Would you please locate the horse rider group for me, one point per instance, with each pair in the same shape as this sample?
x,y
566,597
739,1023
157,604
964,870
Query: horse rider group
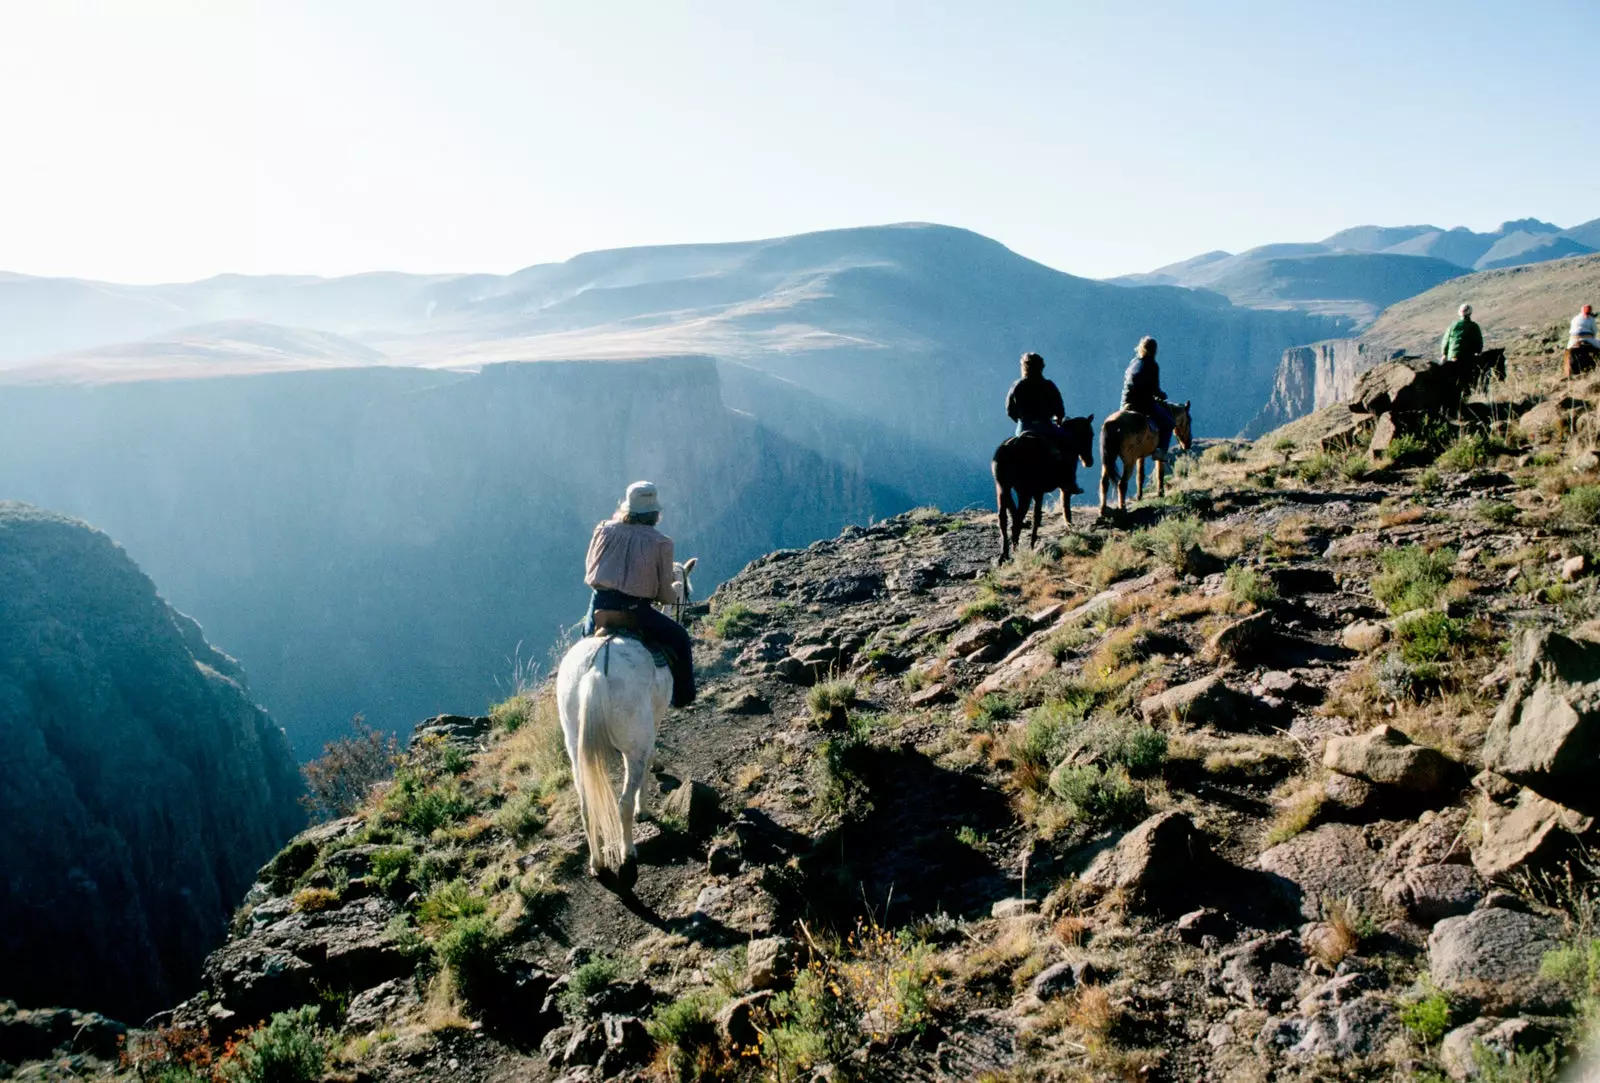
x,y
1034,402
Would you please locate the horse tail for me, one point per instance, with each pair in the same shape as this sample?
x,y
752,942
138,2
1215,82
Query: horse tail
x,y
1110,454
601,821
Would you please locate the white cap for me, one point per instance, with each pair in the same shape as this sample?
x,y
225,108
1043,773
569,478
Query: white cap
x,y
641,499
1466,310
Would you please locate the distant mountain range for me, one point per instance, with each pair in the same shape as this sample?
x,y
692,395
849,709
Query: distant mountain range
x,y
370,510
1360,271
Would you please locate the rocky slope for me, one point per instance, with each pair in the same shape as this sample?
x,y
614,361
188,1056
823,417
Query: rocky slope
x,y
1284,777
140,787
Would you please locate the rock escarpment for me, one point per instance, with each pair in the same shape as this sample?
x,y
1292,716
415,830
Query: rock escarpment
x,y
140,787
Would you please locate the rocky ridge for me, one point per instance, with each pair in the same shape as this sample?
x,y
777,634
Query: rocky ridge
x,y
1279,778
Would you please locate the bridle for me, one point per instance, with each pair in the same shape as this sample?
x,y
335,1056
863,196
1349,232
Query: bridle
x,y
685,599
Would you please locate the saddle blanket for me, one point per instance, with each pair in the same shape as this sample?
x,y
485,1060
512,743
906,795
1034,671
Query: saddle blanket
x,y
662,656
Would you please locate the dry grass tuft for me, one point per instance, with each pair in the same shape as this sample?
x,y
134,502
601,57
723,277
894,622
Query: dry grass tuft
x,y
1300,803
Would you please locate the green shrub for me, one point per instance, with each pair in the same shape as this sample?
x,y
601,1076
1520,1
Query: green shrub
x,y
1412,577
1098,796
1429,480
1046,735
1428,1019
1170,540
1517,1065
991,708
1498,512
1355,466
831,700
454,760
449,901
1220,454
734,621
468,949
585,982
987,605
522,816
837,777
1249,587
1429,637
1580,505
513,713
687,1030
1284,446
291,863
1469,452
1136,746
1314,467
425,806
817,1024
290,1048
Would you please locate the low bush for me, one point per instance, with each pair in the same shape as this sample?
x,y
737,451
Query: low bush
x,y
311,900
1116,560
425,806
830,701
837,777
339,780
1497,512
1219,455
1315,467
991,708
449,901
290,1048
585,982
1355,466
1249,587
1470,452
522,816
1171,540
468,948
1098,796
391,868
686,1032
1429,1018
1412,577
1580,505
987,604
734,621
1429,637
1136,746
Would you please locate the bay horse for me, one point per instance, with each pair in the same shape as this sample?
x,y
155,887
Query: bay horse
x,y
1025,470
612,695
1128,438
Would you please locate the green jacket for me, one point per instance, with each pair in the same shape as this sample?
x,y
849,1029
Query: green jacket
x,y
1462,341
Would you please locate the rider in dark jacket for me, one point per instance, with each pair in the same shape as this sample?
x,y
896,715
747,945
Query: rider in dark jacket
x,y
1141,391
1033,402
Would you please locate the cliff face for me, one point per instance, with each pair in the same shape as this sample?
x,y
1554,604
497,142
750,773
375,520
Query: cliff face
x,y
381,541
141,788
1314,376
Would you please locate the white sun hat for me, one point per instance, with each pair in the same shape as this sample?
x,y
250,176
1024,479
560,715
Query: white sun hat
x,y
642,499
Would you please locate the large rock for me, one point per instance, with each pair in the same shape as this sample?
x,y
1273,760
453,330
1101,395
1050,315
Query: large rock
x,y
1492,958
1265,972
1207,700
769,961
695,805
1158,866
1431,893
1546,734
1017,672
1458,1052
1357,1029
1364,635
1327,865
1235,641
975,636
1535,831
1386,757
38,1033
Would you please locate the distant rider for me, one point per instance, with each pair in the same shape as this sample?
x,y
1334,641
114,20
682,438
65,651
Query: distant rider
x,y
630,566
1464,341
1141,391
1582,332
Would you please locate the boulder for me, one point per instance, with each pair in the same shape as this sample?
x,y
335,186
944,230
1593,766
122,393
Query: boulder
x,y
1357,1029
378,1007
769,961
723,858
1054,981
1355,545
1355,796
1535,831
848,589
1492,958
40,1033
1323,866
1198,926
1207,700
1234,641
1431,893
1265,972
1158,866
628,1045
1364,635
1546,734
975,637
736,1020
1013,908
745,701
1458,1051
694,805
1016,671
1384,756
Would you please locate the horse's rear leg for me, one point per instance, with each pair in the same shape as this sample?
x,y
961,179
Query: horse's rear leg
x,y
1122,485
1066,507
1138,493
1161,478
1002,502
1038,514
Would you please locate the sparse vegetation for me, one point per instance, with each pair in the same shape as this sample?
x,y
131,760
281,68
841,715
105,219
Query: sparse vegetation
x,y
1249,587
734,621
1428,1018
1170,541
290,1048
1497,512
1412,577
829,702
587,980
339,780
1580,505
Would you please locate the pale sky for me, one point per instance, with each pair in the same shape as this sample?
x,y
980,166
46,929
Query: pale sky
x,y
162,140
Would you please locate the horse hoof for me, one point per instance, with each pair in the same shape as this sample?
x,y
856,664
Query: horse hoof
x,y
628,875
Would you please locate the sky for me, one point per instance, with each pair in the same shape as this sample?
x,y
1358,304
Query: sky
x,y
166,140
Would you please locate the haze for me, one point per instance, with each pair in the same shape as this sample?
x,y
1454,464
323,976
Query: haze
x,y
169,141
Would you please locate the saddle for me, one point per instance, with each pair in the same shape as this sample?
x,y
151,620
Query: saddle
x,y
623,624
1129,411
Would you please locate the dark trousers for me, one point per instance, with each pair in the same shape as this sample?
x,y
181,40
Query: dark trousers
x,y
1164,422
658,628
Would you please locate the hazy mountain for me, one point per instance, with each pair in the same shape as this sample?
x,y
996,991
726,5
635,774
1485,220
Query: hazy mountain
x,y
141,788
379,537
1358,271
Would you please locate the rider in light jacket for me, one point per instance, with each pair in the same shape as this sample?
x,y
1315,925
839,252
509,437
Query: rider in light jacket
x,y
629,566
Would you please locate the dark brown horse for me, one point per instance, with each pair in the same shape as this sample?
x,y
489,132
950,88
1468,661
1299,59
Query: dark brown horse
x,y
1025,469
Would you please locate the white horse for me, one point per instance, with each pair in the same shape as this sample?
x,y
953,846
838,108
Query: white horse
x,y
611,695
